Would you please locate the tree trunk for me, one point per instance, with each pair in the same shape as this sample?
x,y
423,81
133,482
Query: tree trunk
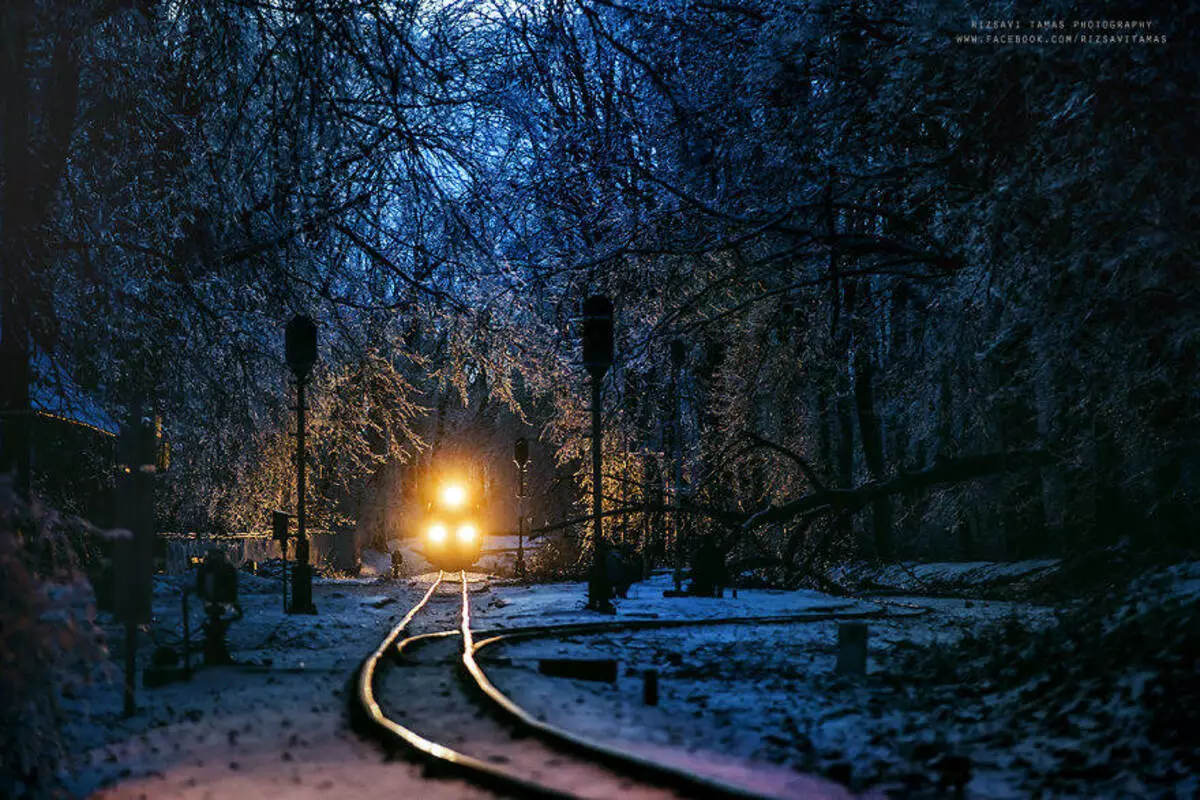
x,y
845,459
872,443
15,29
32,163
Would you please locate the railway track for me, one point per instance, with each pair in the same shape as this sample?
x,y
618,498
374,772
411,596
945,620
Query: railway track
x,y
426,694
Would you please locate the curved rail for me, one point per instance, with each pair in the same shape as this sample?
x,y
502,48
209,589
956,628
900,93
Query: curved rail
x,y
431,752
488,774
367,672
584,628
703,785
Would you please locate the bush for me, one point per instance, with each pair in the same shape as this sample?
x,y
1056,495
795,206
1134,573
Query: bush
x,y
558,558
1115,681
48,639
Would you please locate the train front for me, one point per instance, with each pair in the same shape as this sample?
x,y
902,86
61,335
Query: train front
x,y
452,534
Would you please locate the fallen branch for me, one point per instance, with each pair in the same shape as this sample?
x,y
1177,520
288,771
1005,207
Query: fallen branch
x,y
950,470
944,471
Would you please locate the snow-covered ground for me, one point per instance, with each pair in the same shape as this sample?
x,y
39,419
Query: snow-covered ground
x,y
749,694
738,697
274,728
563,603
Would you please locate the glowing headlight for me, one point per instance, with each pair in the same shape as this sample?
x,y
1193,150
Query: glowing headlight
x,y
453,496
466,533
437,533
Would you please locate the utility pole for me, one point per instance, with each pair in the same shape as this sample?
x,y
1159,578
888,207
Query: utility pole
x,y
301,349
598,357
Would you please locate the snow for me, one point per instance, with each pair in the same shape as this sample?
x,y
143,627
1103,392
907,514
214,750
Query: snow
x,y
55,392
741,695
273,728
758,703
563,603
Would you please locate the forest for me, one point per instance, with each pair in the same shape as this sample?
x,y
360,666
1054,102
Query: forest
x,y
881,251
880,294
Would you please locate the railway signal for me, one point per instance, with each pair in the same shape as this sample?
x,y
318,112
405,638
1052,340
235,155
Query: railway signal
x,y
521,459
598,357
300,345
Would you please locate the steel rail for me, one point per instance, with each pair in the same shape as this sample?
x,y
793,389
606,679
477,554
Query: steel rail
x,y
626,761
368,671
431,752
488,638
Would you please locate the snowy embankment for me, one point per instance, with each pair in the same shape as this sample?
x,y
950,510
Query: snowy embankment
x,y
1005,700
1104,703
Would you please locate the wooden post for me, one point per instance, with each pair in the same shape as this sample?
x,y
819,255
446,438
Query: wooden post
x,y
650,687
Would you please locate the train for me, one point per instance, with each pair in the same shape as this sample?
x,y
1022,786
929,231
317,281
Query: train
x,y
451,520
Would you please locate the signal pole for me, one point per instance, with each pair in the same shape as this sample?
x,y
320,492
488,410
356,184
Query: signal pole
x,y
301,348
140,458
599,591
521,458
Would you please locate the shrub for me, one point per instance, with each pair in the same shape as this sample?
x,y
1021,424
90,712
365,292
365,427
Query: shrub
x,y
558,558
48,639
1114,682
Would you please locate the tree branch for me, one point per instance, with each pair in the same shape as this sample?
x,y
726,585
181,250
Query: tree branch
x,y
809,473
951,470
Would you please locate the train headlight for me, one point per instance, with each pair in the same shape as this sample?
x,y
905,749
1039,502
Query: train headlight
x,y
466,533
437,533
453,495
